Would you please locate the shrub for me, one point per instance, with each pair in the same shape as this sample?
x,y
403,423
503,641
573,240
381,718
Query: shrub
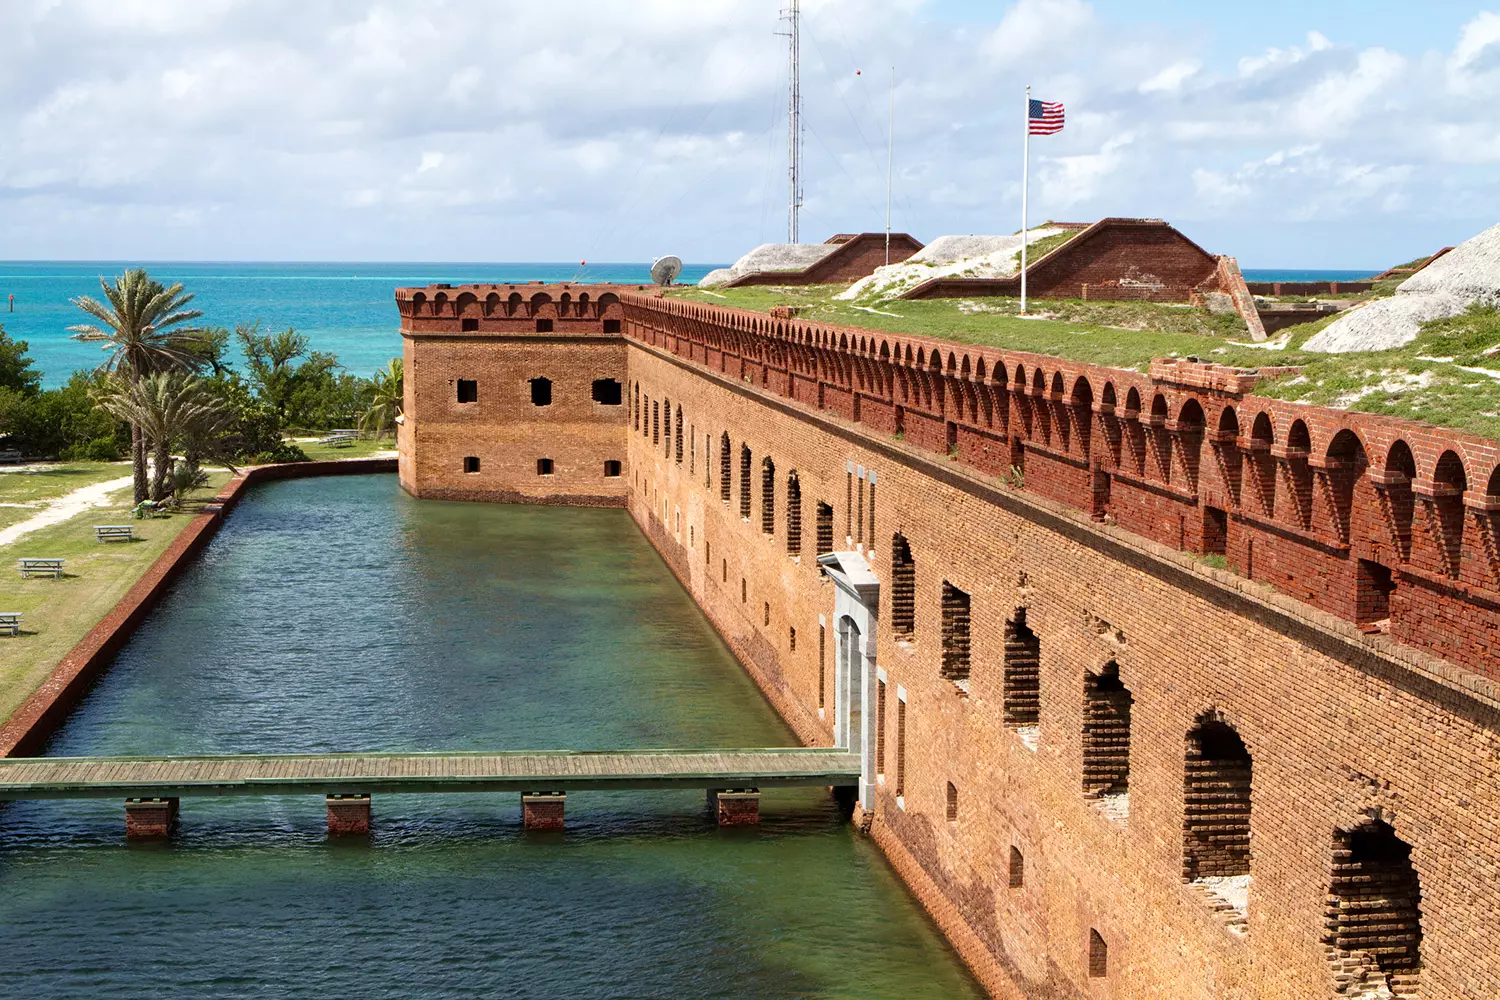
x,y
285,451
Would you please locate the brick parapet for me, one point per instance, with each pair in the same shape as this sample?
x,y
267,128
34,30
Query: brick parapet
x,y
29,727
1163,454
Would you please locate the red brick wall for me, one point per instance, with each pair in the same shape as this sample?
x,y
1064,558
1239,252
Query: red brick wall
x,y
502,428
1329,717
857,258
1133,259
1081,494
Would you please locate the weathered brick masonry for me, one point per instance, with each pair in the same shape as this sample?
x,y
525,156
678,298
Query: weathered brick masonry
x,y
1107,768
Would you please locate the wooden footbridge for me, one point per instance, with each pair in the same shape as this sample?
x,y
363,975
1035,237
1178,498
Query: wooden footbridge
x,y
153,786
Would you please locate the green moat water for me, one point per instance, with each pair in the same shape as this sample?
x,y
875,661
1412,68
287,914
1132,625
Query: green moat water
x,y
338,614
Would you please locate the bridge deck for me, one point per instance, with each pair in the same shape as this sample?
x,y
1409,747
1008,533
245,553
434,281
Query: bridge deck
x,y
385,773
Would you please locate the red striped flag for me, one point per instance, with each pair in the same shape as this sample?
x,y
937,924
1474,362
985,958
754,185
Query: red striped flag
x,y
1045,117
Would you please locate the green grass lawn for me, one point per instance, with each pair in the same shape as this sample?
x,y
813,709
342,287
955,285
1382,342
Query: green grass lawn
x,y
59,613
1424,380
359,449
28,485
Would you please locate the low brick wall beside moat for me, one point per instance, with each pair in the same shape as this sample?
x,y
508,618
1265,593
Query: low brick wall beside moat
x,y
1107,768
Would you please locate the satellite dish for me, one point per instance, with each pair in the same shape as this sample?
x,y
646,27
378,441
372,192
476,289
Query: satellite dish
x,y
664,270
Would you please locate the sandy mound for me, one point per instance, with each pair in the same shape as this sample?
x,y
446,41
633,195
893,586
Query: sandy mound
x,y
1467,274
947,257
770,257
1383,324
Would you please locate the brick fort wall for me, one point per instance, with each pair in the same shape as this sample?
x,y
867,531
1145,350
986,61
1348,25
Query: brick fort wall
x,y
1107,768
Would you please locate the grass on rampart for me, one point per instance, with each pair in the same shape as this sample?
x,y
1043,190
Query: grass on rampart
x,y
1448,376
35,484
58,613
1425,380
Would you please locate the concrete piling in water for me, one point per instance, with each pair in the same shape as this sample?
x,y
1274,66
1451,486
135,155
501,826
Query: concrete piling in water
x,y
348,815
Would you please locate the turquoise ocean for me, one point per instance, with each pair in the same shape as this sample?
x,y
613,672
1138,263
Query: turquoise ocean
x,y
347,308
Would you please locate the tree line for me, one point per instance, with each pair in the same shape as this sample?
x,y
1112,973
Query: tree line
x,y
168,396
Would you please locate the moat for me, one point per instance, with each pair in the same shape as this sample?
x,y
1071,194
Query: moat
x,y
340,614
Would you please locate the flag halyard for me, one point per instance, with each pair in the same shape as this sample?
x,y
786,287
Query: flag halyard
x,y
1044,117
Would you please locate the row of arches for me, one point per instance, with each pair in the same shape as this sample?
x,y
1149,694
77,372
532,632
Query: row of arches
x,y
925,374
478,303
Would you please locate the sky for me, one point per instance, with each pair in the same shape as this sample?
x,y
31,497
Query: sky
x,y
1289,134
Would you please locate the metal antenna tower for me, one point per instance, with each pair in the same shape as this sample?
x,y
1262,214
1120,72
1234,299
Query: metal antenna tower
x,y
793,15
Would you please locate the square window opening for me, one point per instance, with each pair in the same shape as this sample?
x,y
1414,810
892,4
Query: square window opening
x,y
471,463
468,390
544,466
544,326
611,469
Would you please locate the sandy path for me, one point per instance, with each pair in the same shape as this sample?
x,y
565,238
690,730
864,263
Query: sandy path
x,y
65,507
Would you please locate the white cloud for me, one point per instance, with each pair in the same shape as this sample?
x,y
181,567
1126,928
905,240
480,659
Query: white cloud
x,y
1032,27
445,129
1171,77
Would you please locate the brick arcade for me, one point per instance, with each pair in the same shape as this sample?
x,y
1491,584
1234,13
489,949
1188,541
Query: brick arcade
x,y
1162,688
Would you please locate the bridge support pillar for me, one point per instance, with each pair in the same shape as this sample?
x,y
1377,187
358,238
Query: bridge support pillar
x,y
735,806
149,819
348,815
543,810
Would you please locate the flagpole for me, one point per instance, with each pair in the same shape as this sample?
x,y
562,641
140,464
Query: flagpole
x,y
1025,171
890,153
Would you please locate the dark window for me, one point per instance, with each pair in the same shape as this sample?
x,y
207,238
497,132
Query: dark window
x,y
745,462
1215,531
744,591
1023,673
793,516
903,587
1098,956
822,657
544,326
768,496
469,325
900,747
1373,586
468,390
607,391
724,465
471,464
825,528
1017,868
1374,915
544,466
541,392
666,406
611,468
1216,802
952,809
955,633
768,614
791,638
611,326
677,438
655,422
879,727
1106,733
635,408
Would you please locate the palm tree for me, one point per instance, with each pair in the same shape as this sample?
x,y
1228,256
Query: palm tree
x,y
386,402
135,330
167,406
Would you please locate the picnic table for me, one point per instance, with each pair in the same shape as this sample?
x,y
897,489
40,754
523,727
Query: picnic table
x,y
340,438
40,567
114,533
10,457
10,621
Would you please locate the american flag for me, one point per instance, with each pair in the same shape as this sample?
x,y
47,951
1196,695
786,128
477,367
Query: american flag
x,y
1045,117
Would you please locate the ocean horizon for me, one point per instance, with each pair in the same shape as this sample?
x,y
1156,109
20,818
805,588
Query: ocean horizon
x,y
346,308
